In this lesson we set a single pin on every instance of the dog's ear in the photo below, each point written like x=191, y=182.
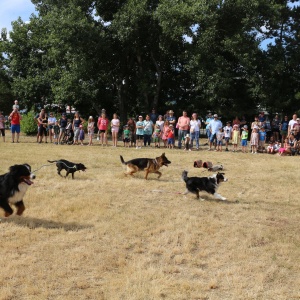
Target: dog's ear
x=163, y=154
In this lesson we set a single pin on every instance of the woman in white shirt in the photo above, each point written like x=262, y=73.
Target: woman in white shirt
x=51, y=123
x=195, y=125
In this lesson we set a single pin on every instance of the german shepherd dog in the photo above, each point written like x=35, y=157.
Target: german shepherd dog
x=149, y=165
x=70, y=167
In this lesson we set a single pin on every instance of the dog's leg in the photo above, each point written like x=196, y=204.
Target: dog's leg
x=218, y=196
x=59, y=170
x=146, y=175
x=67, y=173
x=7, y=209
x=73, y=175
x=159, y=174
x=21, y=207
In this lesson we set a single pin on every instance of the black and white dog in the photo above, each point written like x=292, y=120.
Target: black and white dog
x=208, y=184
x=13, y=186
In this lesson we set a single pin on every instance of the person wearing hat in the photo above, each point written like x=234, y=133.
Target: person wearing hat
x=227, y=134
x=208, y=133
x=244, y=138
x=2, y=125
x=139, y=132
x=171, y=118
x=214, y=127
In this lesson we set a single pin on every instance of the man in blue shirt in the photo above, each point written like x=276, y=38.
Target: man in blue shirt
x=214, y=127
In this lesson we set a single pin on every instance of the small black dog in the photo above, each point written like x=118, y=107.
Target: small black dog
x=208, y=184
x=13, y=186
x=70, y=167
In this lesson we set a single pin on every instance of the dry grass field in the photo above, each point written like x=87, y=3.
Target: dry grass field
x=107, y=236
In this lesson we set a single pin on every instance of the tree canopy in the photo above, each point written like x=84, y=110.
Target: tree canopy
x=129, y=56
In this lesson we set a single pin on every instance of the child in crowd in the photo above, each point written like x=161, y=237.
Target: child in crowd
x=270, y=148
x=220, y=135
x=262, y=139
x=171, y=137
x=156, y=136
x=254, y=140
x=56, y=131
x=235, y=137
x=165, y=132
x=283, y=150
x=81, y=134
x=277, y=146
x=244, y=138
x=187, y=141
x=126, y=136
x=139, y=132
x=91, y=128
x=102, y=125
x=115, y=125
x=227, y=134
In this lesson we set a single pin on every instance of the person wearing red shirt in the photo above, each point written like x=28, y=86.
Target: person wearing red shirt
x=102, y=125
x=171, y=137
x=15, y=118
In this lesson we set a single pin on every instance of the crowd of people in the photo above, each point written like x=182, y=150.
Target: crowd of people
x=261, y=135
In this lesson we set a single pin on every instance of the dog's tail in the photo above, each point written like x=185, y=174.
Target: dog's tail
x=184, y=176
x=122, y=160
x=51, y=161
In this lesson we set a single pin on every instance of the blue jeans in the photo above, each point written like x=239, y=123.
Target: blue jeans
x=181, y=134
x=208, y=133
x=195, y=136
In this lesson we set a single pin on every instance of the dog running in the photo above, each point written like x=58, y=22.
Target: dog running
x=208, y=184
x=13, y=187
x=70, y=167
x=149, y=165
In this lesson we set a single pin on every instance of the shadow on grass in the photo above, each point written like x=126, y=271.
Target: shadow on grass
x=34, y=223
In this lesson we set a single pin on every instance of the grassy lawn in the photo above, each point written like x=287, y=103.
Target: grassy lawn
x=107, y=236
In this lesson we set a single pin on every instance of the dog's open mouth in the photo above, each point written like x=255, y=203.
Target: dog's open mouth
x=27, y=181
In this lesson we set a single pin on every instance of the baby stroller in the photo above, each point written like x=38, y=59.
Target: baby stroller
x=68, y=137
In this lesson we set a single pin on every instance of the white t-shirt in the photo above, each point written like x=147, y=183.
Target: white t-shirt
x=161, y=124
x=227, y=131
x=51, y=120
x=291, y=123
x=195, y=125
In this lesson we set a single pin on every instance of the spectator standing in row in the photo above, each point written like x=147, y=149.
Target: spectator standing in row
x=77, y=121
x=43, y=124
x=275, y=127
x=148, y=129
x=165, y=132
x=15, y=119
x=160, y=122
x=214, y=127
x=220, y=137
x=208, y=132
x=62, y=126
x=156, y=136
x=139, y=132
x=56, y=131
x=183, y=127
x=81, y=134
x=171, y=137
x=283, y=127
x=51, y=123
x=195, y=125
x=126, y=136
x=244, y=138
x=102, y=125
x=254, y=140
x=132, y=128
x=16, y=105
x=227, y=134
x=153, y=116
x=235, y=137
x=91, y=130
x=291, y=124
x=115, y=125
x=262, y=139
x=2, y=126
x=171, y=118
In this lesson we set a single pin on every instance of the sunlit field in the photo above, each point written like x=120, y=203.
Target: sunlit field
x=105, y=235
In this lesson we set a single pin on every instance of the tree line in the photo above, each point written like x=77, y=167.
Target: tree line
x=232, y=57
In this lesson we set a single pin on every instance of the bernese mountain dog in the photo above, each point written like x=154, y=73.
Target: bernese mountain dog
x=13, y=186
x=207, y=184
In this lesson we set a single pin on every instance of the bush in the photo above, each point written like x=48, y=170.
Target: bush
x=28, y=124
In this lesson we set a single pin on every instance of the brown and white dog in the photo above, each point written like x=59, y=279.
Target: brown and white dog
x=149, y=165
